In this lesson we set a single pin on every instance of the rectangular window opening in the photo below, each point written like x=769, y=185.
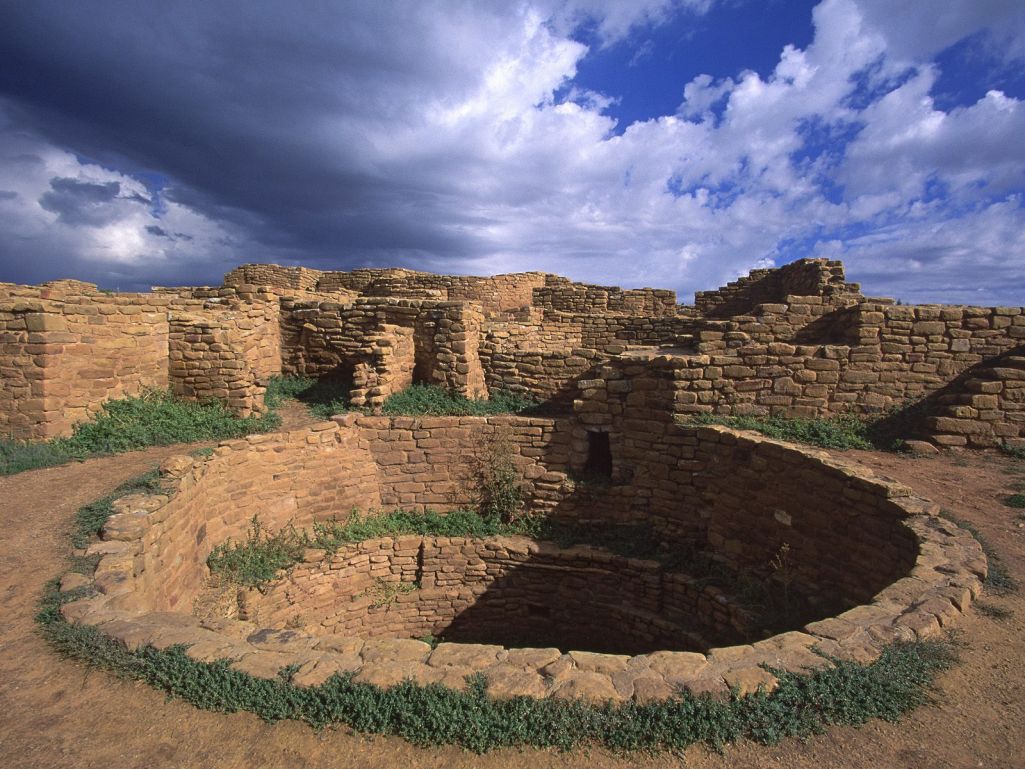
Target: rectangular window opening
x=599, y=455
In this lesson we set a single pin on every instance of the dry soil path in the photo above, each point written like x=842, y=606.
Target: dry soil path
x=55, y=713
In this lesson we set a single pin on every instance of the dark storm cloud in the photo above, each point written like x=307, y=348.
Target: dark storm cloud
x=430, y=135
x=81, y=203
x=231, y=103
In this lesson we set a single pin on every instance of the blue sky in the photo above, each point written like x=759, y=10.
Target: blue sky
x=671, y=143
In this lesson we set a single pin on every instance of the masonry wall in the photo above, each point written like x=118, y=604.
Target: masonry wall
x=804, y=277
x=301, y=278
x=545, y=376
x=295, y=478
x=226, y=354
x=807, y=523
x=21, y=375
x=495, y=294
x=426, y=462
x=383, y=345
x=363, y=463
x=561, y=294
x=709, y=490
x=68, y=348
x=505, y=590
x=741, y=499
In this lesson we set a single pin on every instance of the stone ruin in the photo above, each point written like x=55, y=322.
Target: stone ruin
x=866, y=561
x=799, y=340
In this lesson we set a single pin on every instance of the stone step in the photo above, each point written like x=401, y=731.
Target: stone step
x=978, y=385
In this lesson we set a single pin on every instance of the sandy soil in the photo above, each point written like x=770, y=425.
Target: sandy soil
x=55, y=713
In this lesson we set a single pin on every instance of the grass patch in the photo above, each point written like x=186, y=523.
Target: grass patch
x=1015, y=500
x=993, y=611
x=1013, y=451
x=431, y=400
x=323, y=397
x=155, y=418
x=18, y=456
x=845, y=431
x=327, y=397
x=802, y=705
x=997, y=576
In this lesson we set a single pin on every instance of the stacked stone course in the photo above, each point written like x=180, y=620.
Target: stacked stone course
x=798, y=341
x=494, y=589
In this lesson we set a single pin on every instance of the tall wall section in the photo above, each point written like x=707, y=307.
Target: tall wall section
x=65, y=348
x=805, y=277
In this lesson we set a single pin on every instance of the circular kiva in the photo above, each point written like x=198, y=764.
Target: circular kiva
x=852, y=561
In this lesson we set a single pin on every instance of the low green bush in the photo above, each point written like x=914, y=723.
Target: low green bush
x=1015, y=500
x=431, y=400
x=845, y=431
x=802, y=704
x=256, y=560
x=18, y=456
x=155, y=418
x=1017, y=452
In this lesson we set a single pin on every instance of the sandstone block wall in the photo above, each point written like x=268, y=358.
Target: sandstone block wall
x=805, y=277
x=898, y=354
x=545, y=376
x=501, y=590
x=807, y=345
x=384, y=345
x=564, y=295
x=66, y=348
x=495, y=294
x=290, y=478
x=320, y=474
x=743, y=499
x=301, y=278
x=424, y=462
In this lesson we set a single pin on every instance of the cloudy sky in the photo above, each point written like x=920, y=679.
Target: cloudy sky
x=673, y=143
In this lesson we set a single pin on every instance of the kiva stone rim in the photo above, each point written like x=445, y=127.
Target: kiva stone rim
x=132, y=604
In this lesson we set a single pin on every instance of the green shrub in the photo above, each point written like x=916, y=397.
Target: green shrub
x=845, y=431
x=155, y=418
x=431, y=400
x=1015, y=500
x=494, y=479
x=256, y=560
x=18, y=456
x=1017, y=452
x=802, y=704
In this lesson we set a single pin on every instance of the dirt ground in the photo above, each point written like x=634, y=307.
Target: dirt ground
x=55, y=713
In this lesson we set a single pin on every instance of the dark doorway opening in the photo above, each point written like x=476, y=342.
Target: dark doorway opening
x=599, y=455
